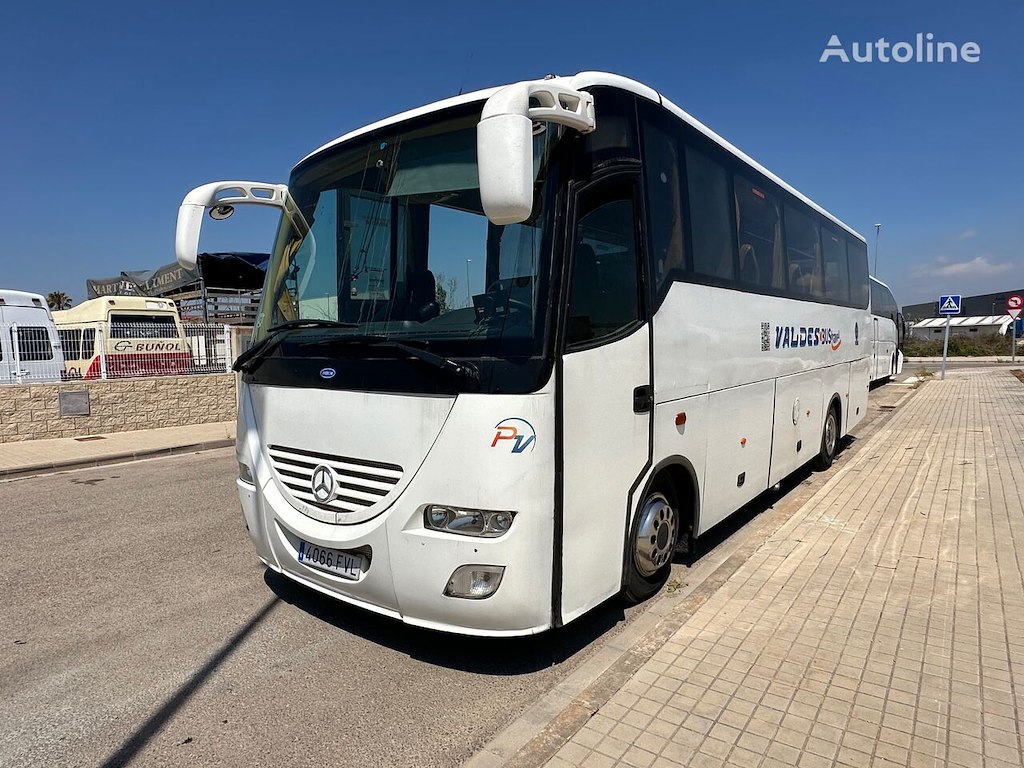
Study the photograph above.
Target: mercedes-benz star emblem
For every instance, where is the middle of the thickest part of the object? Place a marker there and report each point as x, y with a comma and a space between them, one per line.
322, 483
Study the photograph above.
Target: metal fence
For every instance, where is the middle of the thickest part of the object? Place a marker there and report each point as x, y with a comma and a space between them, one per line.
113, 350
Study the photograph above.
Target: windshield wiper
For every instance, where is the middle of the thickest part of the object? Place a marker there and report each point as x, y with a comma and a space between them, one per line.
466, 371
248, 360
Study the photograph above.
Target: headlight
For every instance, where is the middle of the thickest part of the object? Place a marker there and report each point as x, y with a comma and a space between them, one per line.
468, 522
245, 474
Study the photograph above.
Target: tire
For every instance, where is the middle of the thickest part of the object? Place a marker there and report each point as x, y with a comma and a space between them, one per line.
651, 544
829, 440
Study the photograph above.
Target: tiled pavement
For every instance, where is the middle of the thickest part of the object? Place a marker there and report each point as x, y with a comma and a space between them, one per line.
882, 625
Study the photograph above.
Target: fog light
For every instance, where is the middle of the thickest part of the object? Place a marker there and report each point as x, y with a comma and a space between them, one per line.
468, 522
475, 582
245, 474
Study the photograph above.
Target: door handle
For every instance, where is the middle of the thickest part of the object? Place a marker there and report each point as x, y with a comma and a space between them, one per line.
643, 399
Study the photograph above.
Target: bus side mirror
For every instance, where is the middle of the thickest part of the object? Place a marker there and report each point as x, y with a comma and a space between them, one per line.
504, 142
504, 147
220, 198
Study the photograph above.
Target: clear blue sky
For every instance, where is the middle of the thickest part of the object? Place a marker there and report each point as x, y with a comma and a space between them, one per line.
112, 111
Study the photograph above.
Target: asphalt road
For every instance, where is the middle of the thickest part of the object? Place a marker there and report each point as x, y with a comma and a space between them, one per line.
137, 626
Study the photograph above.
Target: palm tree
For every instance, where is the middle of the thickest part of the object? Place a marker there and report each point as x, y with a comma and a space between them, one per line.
58, 300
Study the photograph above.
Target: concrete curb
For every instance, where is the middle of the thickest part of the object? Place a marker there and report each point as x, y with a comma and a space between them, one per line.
112, 458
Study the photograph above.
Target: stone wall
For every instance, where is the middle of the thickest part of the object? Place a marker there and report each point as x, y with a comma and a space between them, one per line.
32, 411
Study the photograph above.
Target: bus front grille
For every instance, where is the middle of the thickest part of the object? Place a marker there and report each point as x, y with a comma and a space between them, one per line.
357, 483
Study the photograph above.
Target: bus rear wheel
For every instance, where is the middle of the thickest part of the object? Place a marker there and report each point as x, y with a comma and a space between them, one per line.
829, 440
651, 544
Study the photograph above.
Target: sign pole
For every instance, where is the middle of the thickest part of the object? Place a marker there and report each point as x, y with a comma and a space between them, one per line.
1014, 307
949, 305
945, 348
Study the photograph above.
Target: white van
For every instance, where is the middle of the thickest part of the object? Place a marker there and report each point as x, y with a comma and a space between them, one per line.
30, 349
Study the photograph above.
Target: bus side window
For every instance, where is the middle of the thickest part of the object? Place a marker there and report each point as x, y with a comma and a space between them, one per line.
803, 253
707, 186
71, 342
837, 273
604, 292
858, 257
664, 208
759, 233
88, 343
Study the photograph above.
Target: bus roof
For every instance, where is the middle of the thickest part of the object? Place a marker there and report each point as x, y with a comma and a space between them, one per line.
582, 81
96, 309
22, 299
876, 280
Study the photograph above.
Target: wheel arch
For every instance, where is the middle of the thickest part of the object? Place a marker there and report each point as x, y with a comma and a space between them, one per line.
680, 474
836, 402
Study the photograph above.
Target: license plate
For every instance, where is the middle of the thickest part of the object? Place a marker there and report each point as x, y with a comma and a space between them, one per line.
347, 565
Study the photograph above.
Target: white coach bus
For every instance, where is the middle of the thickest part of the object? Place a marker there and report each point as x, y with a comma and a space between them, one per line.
887, 333
654, 329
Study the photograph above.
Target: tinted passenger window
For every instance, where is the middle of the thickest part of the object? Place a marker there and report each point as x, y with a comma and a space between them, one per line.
803, 253
837, 275
858, 256
604, 294
661, 171
33, 344
710, 222
615, 137
71, 342
759, 233
88, 343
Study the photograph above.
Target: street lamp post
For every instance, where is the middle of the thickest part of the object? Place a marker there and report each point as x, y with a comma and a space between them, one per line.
877, 227
469, 296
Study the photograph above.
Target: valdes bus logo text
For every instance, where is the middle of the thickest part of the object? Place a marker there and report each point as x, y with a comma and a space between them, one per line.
789, 336
516, 434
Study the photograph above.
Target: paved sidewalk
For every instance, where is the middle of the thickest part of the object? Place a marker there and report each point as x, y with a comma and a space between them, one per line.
34, 456
882, 625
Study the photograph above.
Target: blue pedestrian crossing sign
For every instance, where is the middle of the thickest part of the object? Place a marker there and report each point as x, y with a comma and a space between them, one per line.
949, 305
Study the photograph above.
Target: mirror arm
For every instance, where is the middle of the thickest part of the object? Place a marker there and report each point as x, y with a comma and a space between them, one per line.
556, 104
196, 203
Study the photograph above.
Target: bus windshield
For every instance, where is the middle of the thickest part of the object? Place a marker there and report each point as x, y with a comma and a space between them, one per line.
393, 244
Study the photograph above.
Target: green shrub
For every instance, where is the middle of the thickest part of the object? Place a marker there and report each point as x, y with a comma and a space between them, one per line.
983, 345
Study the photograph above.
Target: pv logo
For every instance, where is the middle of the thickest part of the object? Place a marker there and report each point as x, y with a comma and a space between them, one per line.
519, 431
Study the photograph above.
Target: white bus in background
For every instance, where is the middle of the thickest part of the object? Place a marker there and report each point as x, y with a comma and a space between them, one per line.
658, 329
140, 337
887, 333
30, 350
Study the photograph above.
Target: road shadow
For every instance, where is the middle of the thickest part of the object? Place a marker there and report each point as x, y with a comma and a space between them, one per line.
481, 655
142, 735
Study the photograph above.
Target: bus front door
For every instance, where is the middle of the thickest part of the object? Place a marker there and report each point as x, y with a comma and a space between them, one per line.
605, 393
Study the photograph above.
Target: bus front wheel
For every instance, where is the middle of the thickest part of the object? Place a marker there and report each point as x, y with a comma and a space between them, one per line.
829, 440
651, 544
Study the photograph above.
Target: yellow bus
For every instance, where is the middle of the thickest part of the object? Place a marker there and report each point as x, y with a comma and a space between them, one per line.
122, 336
